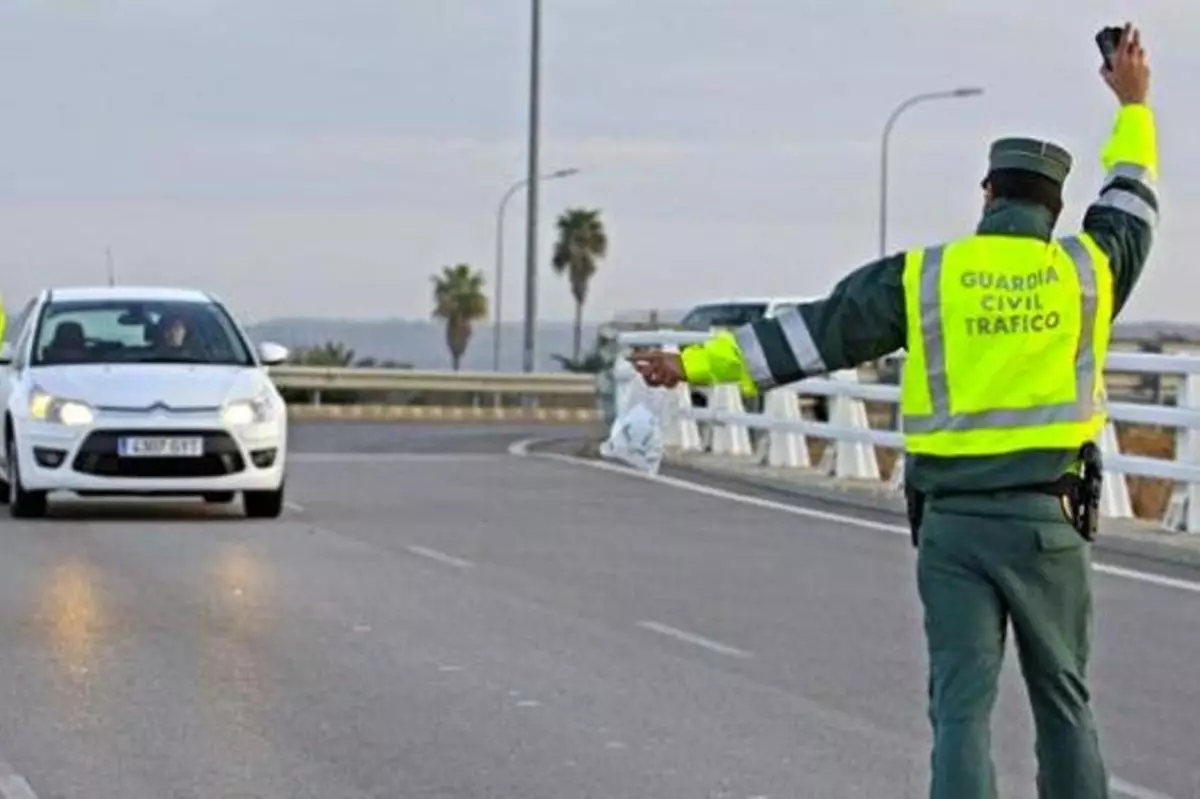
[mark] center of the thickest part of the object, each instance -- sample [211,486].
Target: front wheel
[263,504]
[22,504]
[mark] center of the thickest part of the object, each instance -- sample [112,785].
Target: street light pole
[498,281]
[531,212]
[887,132]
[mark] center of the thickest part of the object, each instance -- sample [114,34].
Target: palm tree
[331,353]
[582,244]
[458,298]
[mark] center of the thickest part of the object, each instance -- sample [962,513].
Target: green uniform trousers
[985,561]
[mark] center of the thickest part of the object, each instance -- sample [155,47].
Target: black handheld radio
[1108,40]
[1087,503]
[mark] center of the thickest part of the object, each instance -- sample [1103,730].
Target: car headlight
[45,407]
[250,411]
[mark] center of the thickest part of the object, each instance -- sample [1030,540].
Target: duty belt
[1080,494]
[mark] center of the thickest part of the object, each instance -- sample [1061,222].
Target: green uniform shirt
[863,319]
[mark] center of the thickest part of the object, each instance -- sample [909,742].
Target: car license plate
[156,447]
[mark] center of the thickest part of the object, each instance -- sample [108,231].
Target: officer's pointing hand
[659,368]
[1129,77]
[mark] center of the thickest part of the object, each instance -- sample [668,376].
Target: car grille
[98,455]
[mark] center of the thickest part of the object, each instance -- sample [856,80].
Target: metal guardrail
[854,453]
[319,378]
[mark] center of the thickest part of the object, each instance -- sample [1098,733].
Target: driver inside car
[173,338]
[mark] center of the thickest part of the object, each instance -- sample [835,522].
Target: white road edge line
[294,507]
[13,785]
[441,557]
[392,457]
[692,638]
[521,449]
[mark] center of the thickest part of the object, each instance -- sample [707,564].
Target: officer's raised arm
[862,319]
[1122,219]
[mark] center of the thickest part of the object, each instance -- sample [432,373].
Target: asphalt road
[372,437]
[452,621]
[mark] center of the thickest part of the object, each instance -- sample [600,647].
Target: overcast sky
[324,157]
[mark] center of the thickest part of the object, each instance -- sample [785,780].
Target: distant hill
[422,343]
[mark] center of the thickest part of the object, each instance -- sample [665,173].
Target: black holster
[1089,485]
[1081,492]
[915,501]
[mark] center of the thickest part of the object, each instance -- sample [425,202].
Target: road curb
[1127,542]
[1155,546]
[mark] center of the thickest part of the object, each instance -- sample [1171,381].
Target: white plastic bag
[636,437]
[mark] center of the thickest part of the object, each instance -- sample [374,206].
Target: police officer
[1006,332]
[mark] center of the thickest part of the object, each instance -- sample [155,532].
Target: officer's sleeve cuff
[697,366]
[1134,140]
[718,360]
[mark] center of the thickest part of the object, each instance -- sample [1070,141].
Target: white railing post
[682,432]
[785,448]
[1114,494]
[849,458]
[729,439]
[1183,509]
[896,479]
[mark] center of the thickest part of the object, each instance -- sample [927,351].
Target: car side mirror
[6,354]
[272,354]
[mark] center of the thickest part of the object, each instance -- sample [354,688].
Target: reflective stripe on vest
[1082,409]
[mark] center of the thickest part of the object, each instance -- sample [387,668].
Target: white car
[731,313]
[139,392]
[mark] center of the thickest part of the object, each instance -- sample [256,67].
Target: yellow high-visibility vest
[1007,338]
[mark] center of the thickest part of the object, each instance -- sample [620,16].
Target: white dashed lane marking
[441,557]
[692,638]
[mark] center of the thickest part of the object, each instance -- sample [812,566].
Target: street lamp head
[564,173]
[968,91]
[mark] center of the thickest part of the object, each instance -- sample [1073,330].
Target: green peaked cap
[1032,155]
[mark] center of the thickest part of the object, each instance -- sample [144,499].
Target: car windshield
[137,331]
[733,314]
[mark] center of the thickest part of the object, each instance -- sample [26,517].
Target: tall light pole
[968,91]
[531,212]
[498,287]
